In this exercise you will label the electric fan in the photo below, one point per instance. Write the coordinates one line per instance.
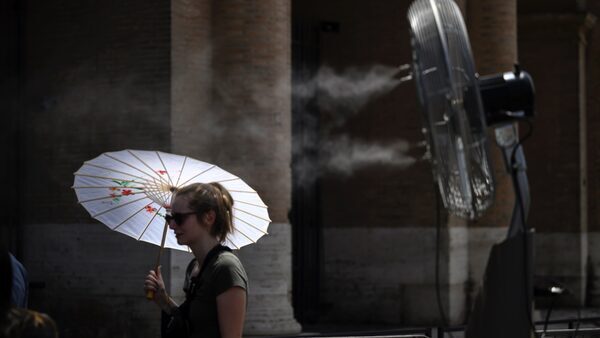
(457, 107)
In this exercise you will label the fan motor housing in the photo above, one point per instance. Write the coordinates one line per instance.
(507, 96)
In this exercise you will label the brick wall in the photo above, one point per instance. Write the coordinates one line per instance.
(549, 47)
(193, 123)
(375, 195)
(96, 78)
(553, 150)
(9, 93)
(251, 96)
(378, 222)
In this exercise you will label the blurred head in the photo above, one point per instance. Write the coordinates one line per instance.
(209, 203)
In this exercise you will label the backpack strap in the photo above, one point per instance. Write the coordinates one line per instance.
(210, 256)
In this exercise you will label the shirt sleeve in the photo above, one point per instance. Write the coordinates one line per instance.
(229, 273)
(20, 284)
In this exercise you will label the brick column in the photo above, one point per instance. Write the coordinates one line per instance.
(492, 26)
(191, 98)
(251, 61)
(557, 150)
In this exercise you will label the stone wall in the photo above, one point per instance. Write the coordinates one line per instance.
(388, 277)
(95, 78)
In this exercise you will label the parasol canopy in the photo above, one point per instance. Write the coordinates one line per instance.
(130, 191)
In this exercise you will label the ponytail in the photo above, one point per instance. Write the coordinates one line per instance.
(224, 212)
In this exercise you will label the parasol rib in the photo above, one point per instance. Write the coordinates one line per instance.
(152, 188)
(107, 178)
(160, 195)
(243, 234)
(157, 190)
(118, 206)
(257, 229)
(181, 171)
(247, 213)
(153, 195)
(229, 180)
(116, 171)
(242, 191)
(105, 197)
(230, 242)
(252, 204)
(165, 195)
(148, 225)
(168, 196)
(147, 166)
(212, 167)
(129, 165)
(104, 187)
(128, 218)
(164, 167)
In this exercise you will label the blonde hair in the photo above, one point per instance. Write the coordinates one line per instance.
(204, 197)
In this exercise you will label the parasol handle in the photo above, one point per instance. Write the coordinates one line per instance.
(150, 293)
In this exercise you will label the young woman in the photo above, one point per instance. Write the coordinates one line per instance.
(216, 283)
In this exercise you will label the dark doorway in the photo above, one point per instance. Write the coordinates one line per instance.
(305, 213)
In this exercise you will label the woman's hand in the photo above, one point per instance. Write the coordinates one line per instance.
(154, 283)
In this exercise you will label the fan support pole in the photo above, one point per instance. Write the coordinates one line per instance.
(503, 305)
(514, 159)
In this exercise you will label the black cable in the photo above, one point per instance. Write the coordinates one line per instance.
(437, 260)
(521, 205)
(578, 321)
(521, 140)
(548, 314)
(555, 296)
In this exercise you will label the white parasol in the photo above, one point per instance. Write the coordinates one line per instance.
(131, 190)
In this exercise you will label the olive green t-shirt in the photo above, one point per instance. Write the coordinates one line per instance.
(222, 273)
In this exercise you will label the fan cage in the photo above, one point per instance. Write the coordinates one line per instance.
(448, 91)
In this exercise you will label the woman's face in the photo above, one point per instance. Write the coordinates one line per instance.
(189, 230)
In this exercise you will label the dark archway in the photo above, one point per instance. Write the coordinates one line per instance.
(305, 213)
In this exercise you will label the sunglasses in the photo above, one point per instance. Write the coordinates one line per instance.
(178, 217)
